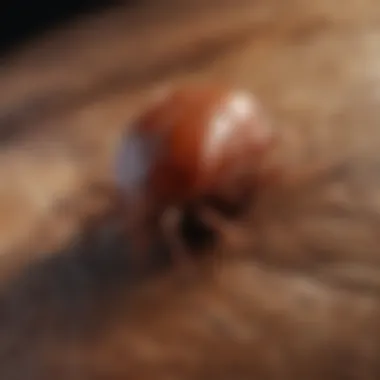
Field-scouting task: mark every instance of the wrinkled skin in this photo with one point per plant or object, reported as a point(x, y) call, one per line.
point(301, 303)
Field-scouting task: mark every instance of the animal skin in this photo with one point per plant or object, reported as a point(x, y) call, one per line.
point(300, 298)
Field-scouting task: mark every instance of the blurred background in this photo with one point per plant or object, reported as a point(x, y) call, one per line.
point(22, 20)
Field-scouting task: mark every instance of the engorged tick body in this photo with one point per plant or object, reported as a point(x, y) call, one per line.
point(198, 147)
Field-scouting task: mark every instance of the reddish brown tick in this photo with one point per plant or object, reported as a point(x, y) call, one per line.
point(198, 148)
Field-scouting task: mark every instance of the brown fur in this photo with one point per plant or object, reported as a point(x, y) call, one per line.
point(303, 304)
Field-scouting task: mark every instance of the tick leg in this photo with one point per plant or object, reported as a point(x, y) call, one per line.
point(181, 254)
point(138, 225)
point(230, 235)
